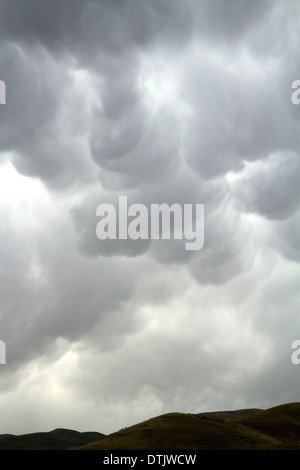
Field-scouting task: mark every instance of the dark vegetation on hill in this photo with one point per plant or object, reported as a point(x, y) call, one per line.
point(58, 439)
point(276, 428)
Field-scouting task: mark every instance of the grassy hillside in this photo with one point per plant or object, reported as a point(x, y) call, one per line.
point(275, 428)
point(58, 439)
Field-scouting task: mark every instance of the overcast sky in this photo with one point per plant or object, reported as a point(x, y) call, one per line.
point(162, 101)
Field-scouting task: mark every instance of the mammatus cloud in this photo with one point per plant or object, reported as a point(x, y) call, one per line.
point(162, 102)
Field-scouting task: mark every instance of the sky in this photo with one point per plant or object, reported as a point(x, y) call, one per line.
point(182, 101)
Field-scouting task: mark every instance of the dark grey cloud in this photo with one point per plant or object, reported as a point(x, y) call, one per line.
point(89, 27)
point(52, 293)
point(132, 153)
point(39, 21)
point(287, 240)
point(272, 189)
point(31, 96)
point(229, 21)
point(36, 126)
point(238, 116)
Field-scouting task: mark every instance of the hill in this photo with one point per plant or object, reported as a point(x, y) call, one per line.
point(247, 429)
point(58, 439)
point(274, 428)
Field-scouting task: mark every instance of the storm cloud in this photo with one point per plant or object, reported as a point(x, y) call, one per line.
point(163, 102)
